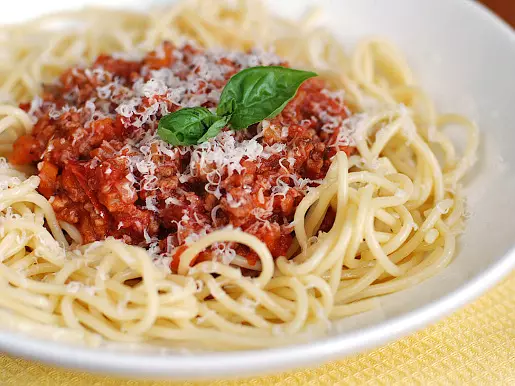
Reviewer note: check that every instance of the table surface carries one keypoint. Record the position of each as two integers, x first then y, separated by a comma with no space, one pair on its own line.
503,8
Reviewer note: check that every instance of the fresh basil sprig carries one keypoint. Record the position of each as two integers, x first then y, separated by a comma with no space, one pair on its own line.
259,93
186,126
214,129
250,96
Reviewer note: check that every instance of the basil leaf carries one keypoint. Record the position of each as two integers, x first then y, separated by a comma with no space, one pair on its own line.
214,129
186,126
259,93
250,96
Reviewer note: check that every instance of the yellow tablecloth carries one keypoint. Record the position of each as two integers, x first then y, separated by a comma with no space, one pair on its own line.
475,346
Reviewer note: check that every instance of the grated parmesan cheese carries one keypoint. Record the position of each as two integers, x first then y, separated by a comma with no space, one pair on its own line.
151,165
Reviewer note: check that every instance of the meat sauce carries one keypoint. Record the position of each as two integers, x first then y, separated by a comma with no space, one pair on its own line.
106,171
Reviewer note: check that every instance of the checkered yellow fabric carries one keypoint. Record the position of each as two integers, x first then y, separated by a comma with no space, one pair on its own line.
475,346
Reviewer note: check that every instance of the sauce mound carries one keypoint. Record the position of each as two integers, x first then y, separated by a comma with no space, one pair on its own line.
107,172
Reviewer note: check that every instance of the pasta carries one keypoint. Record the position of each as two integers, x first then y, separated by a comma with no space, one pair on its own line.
397,201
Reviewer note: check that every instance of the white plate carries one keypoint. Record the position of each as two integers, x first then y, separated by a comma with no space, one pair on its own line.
464,56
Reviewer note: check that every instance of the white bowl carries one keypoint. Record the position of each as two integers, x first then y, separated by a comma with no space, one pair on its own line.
464,56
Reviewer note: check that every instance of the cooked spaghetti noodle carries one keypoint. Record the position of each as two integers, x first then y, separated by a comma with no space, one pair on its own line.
397,206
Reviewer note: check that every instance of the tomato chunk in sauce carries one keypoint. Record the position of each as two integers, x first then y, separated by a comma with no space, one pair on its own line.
106,171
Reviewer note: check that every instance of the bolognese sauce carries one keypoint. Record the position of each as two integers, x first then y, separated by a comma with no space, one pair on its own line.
107,172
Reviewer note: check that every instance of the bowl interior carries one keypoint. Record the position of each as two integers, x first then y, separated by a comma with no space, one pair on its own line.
463,56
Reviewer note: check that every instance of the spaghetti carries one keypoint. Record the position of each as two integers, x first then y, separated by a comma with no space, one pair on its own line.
397,205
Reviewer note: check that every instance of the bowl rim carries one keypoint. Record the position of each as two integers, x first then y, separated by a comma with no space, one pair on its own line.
264,361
